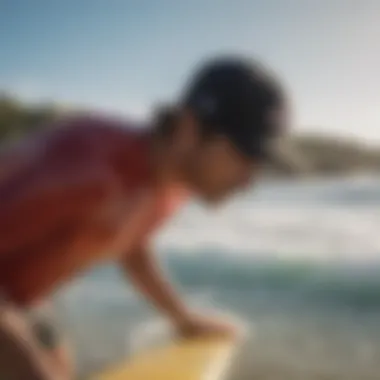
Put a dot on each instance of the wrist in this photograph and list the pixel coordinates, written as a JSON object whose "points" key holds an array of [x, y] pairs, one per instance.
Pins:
{"points": [[183, 319]]}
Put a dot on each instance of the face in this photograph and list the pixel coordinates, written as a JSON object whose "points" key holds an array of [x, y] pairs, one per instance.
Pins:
{"points": [[217, 170], [212, 166]]}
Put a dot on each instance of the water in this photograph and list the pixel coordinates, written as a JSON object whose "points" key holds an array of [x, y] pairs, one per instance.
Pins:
{"points": [[298, 260]]}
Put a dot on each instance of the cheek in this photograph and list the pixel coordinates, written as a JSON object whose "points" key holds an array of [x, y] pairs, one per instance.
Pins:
{"points": [[218, 177], [207, 172], [203, 172]]}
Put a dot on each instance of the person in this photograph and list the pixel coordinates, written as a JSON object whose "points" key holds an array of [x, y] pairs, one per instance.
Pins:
{"points": [[91, 188]]}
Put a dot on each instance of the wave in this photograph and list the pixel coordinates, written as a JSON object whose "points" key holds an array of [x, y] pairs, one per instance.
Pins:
{"points": [[356, 287]]}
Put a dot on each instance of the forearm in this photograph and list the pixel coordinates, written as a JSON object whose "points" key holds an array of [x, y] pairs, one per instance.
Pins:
{"points": [[21, 357], [148, 278]]}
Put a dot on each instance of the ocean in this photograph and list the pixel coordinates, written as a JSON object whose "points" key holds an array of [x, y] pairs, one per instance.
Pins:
{"points": [[299, 261]]}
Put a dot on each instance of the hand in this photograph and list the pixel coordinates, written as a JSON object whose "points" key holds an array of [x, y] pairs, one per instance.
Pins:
{"points": [[199, 326]]}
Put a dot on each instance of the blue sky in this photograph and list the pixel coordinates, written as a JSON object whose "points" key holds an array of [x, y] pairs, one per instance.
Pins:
{"points": [[127, 55]]}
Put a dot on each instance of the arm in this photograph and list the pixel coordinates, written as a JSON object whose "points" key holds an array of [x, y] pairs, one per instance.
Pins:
{"points": [[21, 357], [143, 270], [36, 197], [141, 267]]}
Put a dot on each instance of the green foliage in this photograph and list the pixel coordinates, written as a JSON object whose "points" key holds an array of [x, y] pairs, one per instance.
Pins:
{"points": [[17, 119]]}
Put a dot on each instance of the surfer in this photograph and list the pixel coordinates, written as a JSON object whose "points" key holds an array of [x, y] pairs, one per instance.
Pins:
{"points": [[92, 188]]}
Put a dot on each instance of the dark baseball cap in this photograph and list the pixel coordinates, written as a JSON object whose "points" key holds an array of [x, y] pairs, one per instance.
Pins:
{"points": [[243, 101]]}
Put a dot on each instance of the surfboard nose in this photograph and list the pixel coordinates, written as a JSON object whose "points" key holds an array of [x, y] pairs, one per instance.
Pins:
{"points": [[155, 354]]}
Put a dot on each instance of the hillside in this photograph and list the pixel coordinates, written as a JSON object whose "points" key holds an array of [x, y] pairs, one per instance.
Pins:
{"points": [[320, 154]]}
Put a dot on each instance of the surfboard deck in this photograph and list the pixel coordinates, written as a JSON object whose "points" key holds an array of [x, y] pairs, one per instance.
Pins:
{"points": [[192, 359]]}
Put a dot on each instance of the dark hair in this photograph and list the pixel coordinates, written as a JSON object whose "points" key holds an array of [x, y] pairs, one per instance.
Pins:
{"points": [[165, 119], [236, 97]]}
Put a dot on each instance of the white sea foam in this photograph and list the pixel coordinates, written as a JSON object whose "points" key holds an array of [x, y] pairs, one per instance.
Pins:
{"points": [[320, 220]]}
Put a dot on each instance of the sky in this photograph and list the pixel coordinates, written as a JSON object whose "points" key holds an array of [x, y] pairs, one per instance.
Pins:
{"points": [[127, 56]]}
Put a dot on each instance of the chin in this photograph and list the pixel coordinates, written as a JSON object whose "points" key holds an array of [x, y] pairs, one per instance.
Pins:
{"points": [[214, 200]]}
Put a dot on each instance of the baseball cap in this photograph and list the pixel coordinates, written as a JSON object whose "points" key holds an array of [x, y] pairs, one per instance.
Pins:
{"points": [[243, 101]]}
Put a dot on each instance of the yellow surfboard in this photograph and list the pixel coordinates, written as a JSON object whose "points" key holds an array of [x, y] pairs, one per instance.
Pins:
{"points": [[192, 359]]}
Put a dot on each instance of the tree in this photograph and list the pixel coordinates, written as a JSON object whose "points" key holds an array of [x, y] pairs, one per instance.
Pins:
{"points": [[17, 119]]}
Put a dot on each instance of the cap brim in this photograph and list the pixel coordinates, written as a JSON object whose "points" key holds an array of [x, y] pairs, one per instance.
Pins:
{"points": [[284, 156]]}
